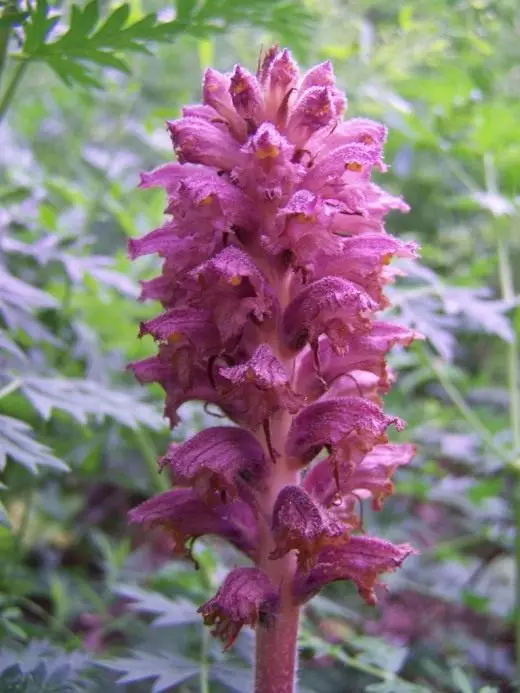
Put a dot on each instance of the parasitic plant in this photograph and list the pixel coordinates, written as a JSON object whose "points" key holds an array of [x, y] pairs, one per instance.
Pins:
{"points": [[275, 261]]}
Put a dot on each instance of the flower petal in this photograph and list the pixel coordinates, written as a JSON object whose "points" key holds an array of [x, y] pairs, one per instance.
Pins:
{"points": [[331, 306], [347, 426], [362, 560], [279, 79], [184, 515], [185, 326], [301, 524], [261, 386], [268, 171], [314, 110], [232, 286], [167, 176], [372, 477], [363, 352], [246, 598], [215, 461], [350, 163], [247, 96], [215, 92], [200, 142]]}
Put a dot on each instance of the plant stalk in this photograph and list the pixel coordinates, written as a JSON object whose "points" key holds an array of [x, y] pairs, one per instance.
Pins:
{"points": [[276, 651], [508, 293], [9, 93], [277, 640]]}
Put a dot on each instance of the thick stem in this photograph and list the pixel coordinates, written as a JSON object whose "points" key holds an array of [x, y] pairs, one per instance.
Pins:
{"points": [[277, 642], [276, 652]]}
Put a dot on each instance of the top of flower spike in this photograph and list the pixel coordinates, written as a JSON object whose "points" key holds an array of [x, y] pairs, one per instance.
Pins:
{"points": [[236, 104]]}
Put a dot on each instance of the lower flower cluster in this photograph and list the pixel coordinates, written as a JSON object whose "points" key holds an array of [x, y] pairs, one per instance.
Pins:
{"points": [[275, 262]]}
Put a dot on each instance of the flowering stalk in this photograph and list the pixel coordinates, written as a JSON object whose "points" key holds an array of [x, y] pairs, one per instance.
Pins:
{"points": [[275, 261]]}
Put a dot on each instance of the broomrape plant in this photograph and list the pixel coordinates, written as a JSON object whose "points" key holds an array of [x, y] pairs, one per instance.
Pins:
{"points": [[275, 262]]}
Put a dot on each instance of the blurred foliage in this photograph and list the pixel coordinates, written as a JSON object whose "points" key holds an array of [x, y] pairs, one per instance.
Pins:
{"points": [[84, 92]]}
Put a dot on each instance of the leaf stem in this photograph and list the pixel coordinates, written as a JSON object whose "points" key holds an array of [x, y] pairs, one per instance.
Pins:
{"points": [[4, 41], [10, 387], [204, 661], [467, 412], [508, 293], [150, 456], [6, 99]]}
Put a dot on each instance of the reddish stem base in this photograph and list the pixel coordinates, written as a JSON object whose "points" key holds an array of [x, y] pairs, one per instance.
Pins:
{"points": [[277, 652]]}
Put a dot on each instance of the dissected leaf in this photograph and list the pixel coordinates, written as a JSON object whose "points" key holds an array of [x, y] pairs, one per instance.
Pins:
{"points": [[88, 42], [17, 443], [168, 612], [168, 670], [83, 398]]}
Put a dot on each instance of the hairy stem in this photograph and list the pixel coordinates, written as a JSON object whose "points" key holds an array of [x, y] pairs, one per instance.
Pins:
{"points": [[277, 641], [467, 412], [276, 652]]}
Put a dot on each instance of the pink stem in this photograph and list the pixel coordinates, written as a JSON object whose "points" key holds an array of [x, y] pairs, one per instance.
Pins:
{"points": [[277, 642], [276, 653]]}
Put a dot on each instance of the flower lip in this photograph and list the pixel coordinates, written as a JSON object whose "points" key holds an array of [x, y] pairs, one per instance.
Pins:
{"points": [[185, 516], [300, 523], [330, 305], [246, 598], [362, 559], [347, 426], [371, 478], [216, 461]]}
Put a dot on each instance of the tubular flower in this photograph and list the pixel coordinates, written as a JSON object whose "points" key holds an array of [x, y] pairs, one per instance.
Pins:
{"points": [[275, 261], [246, 598]]}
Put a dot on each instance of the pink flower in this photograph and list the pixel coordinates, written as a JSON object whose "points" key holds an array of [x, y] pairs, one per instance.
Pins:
{"points": [[246, 598], [275, 262]]}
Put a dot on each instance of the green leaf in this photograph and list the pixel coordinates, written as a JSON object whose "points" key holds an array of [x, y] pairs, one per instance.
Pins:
{"points": [[168, 670], [13, 18], [169, 612], [4, 519], [42, 668], [38, 27], [477, 602], [487, 488], [82, 398], [461, 681], [17, 443], [233, 678], [184, 10], [112, 25], [90, 16]]}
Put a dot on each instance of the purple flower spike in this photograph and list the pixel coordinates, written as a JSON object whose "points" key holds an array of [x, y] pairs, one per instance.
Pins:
{"points": [[275, 262], [246, 598]]}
